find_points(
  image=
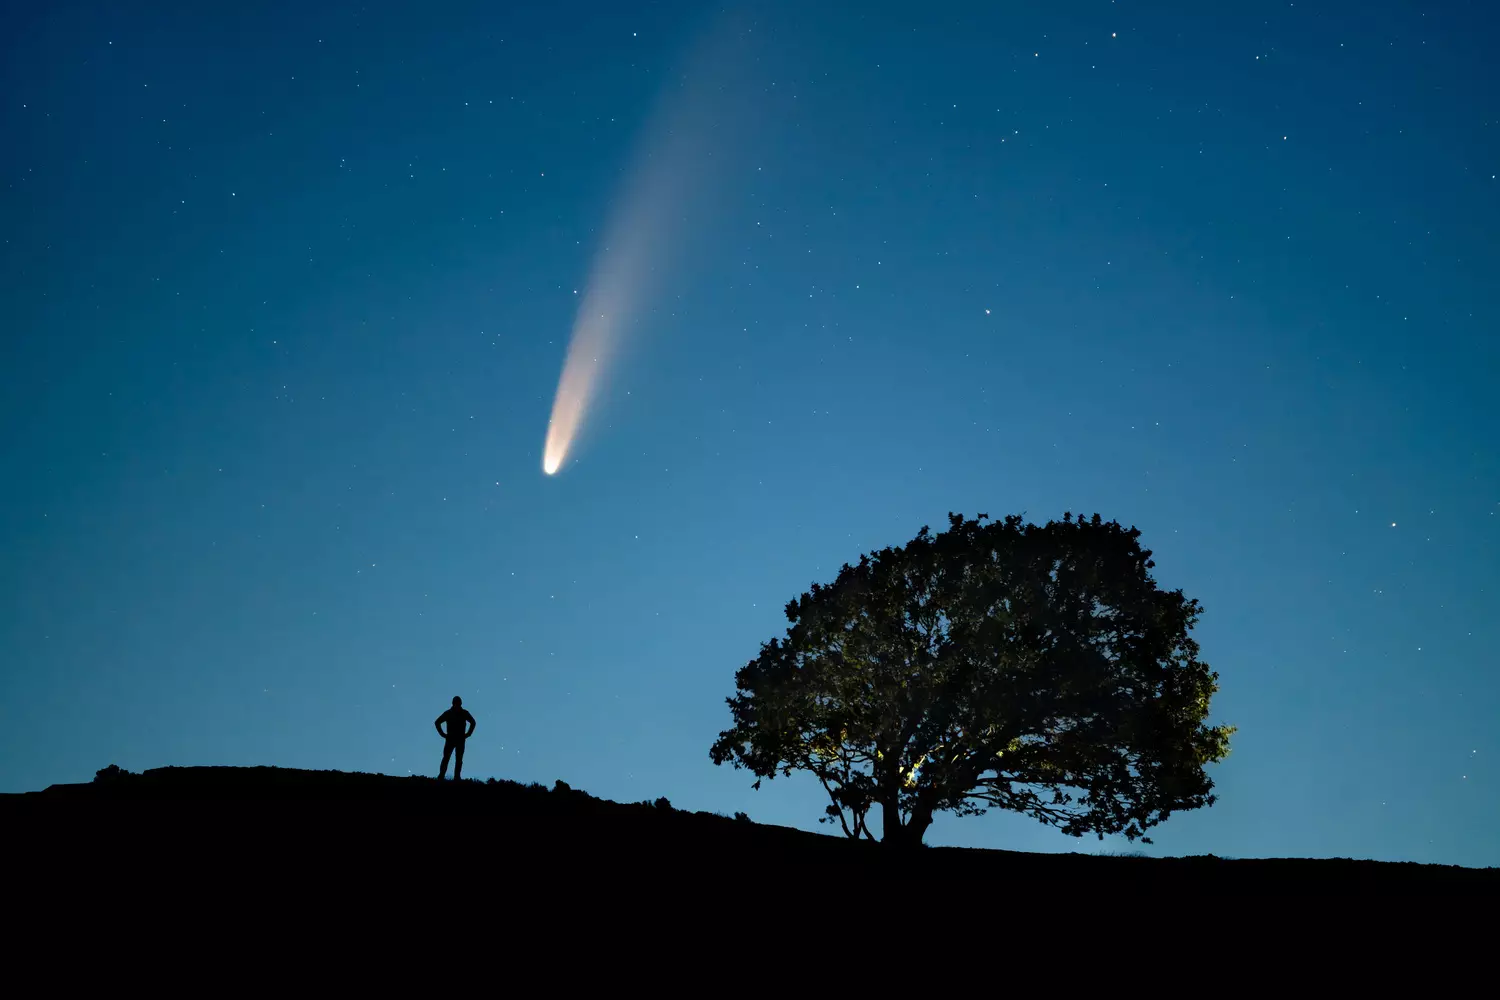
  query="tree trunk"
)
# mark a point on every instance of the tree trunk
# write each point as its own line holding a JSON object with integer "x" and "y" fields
{"x": 906, "y": 835}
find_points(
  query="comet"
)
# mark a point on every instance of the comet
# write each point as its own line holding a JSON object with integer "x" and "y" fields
{"x": 611, "y": 299}
{"x": 682, "y": 144}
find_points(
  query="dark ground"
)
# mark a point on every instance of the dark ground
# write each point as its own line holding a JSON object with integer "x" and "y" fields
{"x": 278, "y": 823}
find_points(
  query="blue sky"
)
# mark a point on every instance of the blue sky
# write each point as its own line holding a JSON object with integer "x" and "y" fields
{"x": 285, "y": 294}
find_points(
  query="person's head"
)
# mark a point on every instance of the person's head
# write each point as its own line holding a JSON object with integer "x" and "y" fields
{"x": 457, "y": 702}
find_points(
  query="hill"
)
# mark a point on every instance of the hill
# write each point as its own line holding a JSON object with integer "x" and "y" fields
{"x": 285, "y": 820}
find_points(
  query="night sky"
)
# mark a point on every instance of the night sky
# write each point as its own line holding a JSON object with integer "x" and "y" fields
{"x": 286, "y": 290}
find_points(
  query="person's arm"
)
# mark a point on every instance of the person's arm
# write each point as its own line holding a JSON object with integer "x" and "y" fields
{"x": 472, "y": 725}
{"x": 438, "y": 722}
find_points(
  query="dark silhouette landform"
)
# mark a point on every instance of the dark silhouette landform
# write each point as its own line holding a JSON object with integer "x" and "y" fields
{"x": 197, "y": 816}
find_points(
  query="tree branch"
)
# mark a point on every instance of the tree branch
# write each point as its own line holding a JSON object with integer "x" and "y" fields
{"x": 839, "y": 806}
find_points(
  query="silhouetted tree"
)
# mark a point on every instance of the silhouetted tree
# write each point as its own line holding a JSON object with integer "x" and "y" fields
{"x": 996, "y": 664}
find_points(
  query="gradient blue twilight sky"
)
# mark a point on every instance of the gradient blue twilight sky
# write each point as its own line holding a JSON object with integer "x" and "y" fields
{"x": 285, "y": 291}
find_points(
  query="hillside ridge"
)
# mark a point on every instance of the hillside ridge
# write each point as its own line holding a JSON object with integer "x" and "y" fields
{"x": 273, "y": 809}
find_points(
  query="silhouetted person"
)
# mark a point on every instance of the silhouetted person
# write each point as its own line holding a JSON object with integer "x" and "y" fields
{"x": 453, "y": 739}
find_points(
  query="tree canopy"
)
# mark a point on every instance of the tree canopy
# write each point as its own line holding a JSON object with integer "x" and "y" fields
{"x": 997, "y": 664}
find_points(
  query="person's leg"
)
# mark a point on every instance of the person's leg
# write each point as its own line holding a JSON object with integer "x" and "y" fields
{"x": 458, "y": 760}
{"x": 447, "y": 752}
